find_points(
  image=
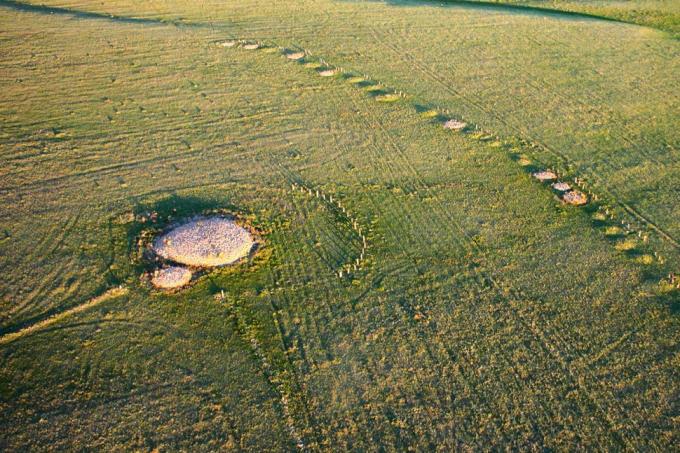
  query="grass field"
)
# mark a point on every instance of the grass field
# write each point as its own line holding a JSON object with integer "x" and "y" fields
{"x": 485, "y": 313}
{"x": 661, "y": 14}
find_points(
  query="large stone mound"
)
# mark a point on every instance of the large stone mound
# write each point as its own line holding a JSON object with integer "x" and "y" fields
{"x": 205, "y": 242}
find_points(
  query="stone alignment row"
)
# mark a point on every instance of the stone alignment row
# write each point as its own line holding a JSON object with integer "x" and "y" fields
{"x": 335, "y": 204}
{"x": 570, "y": 189}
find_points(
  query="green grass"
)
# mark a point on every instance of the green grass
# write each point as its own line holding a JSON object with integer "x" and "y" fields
{"x": 661, "y": 14}
{"x": 486, "y": 314}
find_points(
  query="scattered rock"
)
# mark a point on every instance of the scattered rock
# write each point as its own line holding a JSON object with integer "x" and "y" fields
{"x": 252, "y": 46}
{"x": 545, "y": 175}
{"x": 171, "y": 277}
{"x": 455, "y": 125}
{"x": 205, "y": 242}
{"x": 575, "y": 198}
{"x": 226, "y": 43}
{"x": 295, "y": 55}
{"x": 327, "y": 72}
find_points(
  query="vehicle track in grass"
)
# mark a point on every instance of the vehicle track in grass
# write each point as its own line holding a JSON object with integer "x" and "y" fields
{"x": 339, "y": 294}
{"x": 627, "y": 207}
{"x": 559, "y": 156}
{"x": 112, "y": 293}
{"x": 273, "y": 376}
{"x": 444, "y": 219}
{"x": 442, "y": 215}
{"x": 407, "y": 311}
{"x": 546, "y": 344}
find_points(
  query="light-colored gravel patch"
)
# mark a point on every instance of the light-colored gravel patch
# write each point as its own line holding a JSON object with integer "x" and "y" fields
{"x": 455, "y": 125}
{"x": 561, "y": 187}
{"x": 171, "y": 277}
{"x": 252, "y": 46}
{"x": 226, "y": 43}
{"x": 545, "y": 175}
{"x": 575, "y": 198}
{"x": 205, "y": 242}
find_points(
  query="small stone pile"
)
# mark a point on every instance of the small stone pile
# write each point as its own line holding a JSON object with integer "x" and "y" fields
{"x": 295, "y": 55}
{"x": 455, "y": 125}
{"x": 575, "y": 197}
{"x": 327, "y": 72}
{"x": 545, "y": 175}
{"x": 171, "y": 277}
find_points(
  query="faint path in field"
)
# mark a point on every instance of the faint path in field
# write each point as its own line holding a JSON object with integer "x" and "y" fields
{"x": 110, "y": 294}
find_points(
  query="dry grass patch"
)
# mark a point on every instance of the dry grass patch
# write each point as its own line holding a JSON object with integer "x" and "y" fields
{"x": 524, "y": 161}
{"x": 626, "y": 245}
{"x": 613, "y": 231}
{"x": 356, "y": 80}
{"x": 645, "y": 259}
{"x": 429, "y": 113}
{"x": 391, "y": 97}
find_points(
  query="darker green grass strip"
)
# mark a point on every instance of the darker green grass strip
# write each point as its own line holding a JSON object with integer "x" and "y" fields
{"x": 504, "y": 5}
{"x": 78, "y": 14}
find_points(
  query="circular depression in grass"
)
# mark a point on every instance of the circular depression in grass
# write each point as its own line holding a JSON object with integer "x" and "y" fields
{"x": 205, "y": 242}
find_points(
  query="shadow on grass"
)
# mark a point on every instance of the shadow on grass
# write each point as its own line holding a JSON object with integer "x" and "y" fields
{"x": 152, "y": 218}
{"x": 78, "y": 14}
{"x": 669, "y": 300}
{"x": 503, "y": 7}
